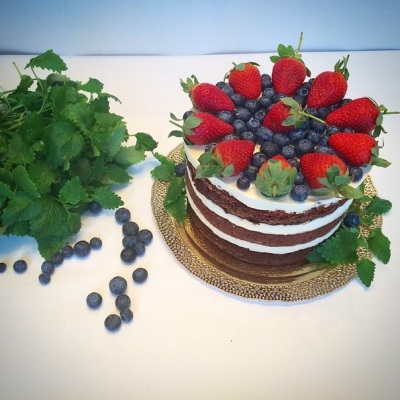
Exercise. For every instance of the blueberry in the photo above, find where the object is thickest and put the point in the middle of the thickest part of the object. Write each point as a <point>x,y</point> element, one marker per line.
<point>221,84</point>
<point>20,266</point>
<point>266,81</point>
<point>239,125</point>
<point>140,248</point>
<point>44,278</point>
<point>311,111</point>
<point>278,96</point>
<point>82,248</point>
<point>250,172</point>
<point>57,258</point>
<point>300,193</point>
<point>126,314</point>
<point>122,215</point>
<point>260,115</point>
<point>238,99</point>
<point>228,89</point>
<point>253,124</point>
<point>317,126</point>
<point>129,241</point>
<point>295,162</point>
<point>323,112</point>
<point>243,183</point>
<point>117,285</point>
<point>296,135</point>
<point>270,149</point>
<point>229,137</point>
<point>269,92</point>
<point>248,135</point>
<point>113,322</point>
<point>265,101</point>
<point>3,267</point>
<point>299,178</point>
<point>208,148</point>
<point>242,114</point>
<point>128,255</point>
<point>263,134</point>
<point>303,146</point>
<point>324,150</point>
<point>139,275</point>
<point>180,169</point>
<point>331,129</point>
<point>67,251</point>
<point>48,267</point>
<point>95,207</point>
<point>187,114</point>
<point>94,300</point>
<point>258,159</point>
<point>122,301</point>
<point>303,91</point>
<point>313,136</point>
<point>130,228</point>
<point>351,220</point>
<point>288,151</point>
<point>252,106</point>
<point>301,100</point>
<point>145,236</point>
<point>95,243</point>
<point>226,116</point>
<point>344,101</point>
<point>323,141</point>
<point>356,173</point>
<point>280,139</point>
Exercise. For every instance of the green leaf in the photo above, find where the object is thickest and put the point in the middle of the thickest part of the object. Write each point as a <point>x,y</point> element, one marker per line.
<point>48,60</point>
<point>175,199</point>
<point>366,271</point>
<point>24,182</point>
<point>145,142</point>
<point>341,248</point>
<point>114,174</point>
<point>378,206</point>
<point>5,191</point>
<point>379,244</point>
<point>92,86</point>
<point>72,192</point>
<point>129,155</point>
<point>19,151</point>
<point>164,172</point>
<point>107,198</point>
<point>25,83</point>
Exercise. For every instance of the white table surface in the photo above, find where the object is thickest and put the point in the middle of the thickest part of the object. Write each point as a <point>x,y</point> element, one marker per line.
<point>189,340</point>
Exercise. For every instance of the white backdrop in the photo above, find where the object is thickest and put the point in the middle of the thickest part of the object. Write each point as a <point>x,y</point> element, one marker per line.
<point>185,27</point>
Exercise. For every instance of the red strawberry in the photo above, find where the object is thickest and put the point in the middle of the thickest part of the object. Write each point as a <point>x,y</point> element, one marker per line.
<point>228,158</point>
<point>207,97</point>
<point>289,71</point>
<point>354,148</point>
<point>276,116</point>
<point>329,87</point>
<point>360,114</point>
<point>276,177</point>
<point>245,79</point>
<point>315,166</point>
<point>203,128</point>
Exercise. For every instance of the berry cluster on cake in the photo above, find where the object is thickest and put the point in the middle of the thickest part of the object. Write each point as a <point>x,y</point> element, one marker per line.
<point>275,163</point>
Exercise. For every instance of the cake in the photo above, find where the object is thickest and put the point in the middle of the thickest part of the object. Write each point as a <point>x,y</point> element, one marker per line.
<point>274,161</point>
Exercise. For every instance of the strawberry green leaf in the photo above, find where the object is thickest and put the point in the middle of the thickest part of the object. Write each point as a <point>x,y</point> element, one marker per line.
<point>366,271</point>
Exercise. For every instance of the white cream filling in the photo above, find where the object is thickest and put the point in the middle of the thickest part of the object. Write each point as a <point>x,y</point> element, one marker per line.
<point>255,246</point>
<point>271,229</point>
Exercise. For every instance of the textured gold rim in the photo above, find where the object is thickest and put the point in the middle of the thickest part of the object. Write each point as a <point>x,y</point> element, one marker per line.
<point>302,284</point>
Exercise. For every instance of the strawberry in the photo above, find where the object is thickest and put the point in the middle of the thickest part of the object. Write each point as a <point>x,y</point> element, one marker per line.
<point>276,177</point>
<point>289,70</point>
<point>228,158</point>
<point>245,79</point>
<point>354,148</point>
<point>207,97</point>
<point>202,128</point>
<point>276,116</point>
<point>329,87</point>
<point>315,166</point>
<point>360,114</point>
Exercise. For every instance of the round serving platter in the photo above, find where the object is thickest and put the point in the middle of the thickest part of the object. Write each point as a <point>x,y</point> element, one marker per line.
<point>201,258</point>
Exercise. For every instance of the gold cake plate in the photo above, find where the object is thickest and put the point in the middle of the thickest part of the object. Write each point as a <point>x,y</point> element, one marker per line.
<point>201,258</point>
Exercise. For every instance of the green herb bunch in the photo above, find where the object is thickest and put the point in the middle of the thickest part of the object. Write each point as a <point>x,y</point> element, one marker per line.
<point>357,245</point>
<point>60,149</point>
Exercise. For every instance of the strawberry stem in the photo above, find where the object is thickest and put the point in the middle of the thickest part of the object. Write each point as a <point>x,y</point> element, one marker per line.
<point>299,45</point>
